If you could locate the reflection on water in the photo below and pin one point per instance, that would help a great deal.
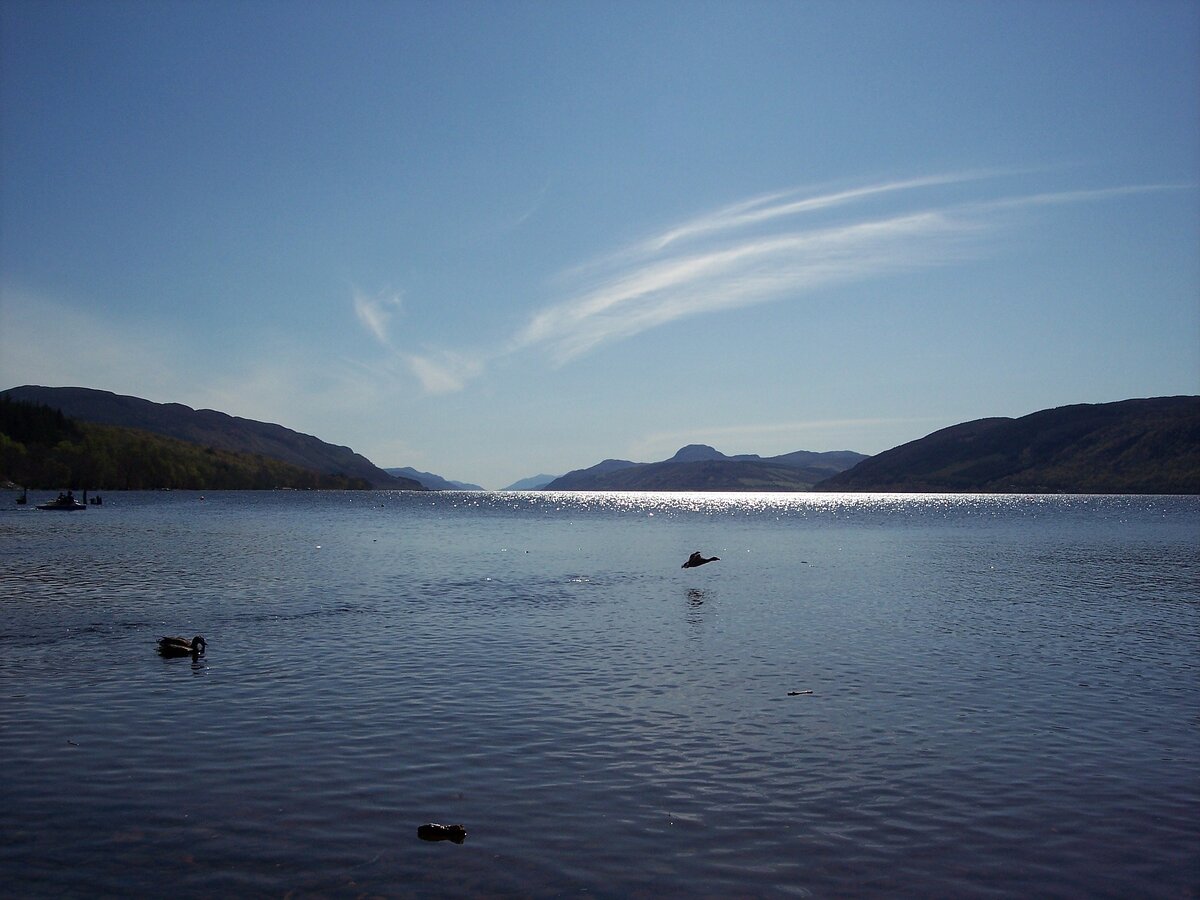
(695, 606)
(1004, 695)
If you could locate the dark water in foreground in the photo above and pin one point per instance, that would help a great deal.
(1005, 702)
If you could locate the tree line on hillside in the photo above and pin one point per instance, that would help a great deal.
(208, 428)
(1141, 446)
(40, 448)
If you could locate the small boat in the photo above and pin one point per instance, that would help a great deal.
(64, 502)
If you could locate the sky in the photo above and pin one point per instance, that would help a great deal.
(493, 239)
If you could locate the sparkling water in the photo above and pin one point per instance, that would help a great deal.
(867, 695)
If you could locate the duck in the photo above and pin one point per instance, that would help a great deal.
(435, 832)
(697, 560)
(177, 646)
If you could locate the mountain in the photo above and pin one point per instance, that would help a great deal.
(586, 479)
(703, 453)
(700, 475)
(698, 467)
(430, 481)
(833, 460)
(533, 483)
(40, 448)
(210, 428)
(1147, 446)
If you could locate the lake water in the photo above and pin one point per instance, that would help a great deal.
(1005, 696)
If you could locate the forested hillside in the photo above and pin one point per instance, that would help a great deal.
(40, 448)
(1147, 446)
(210, 428)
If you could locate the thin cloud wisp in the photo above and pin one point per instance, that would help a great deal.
(759, 250)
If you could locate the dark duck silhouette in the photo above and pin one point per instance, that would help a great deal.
(435, 832)
(177, 646)
(697, 560)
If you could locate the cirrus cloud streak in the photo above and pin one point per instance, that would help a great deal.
(764, 249)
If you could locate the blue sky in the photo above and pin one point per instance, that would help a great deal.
(492, 239)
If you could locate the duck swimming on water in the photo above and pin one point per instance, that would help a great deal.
(697, 560)
(177, 646)
(435, 832)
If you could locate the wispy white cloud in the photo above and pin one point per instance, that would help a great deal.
(741, 273)
(759, 250)
(533, 207)
(762, 209)
(444, 372)
(375, 312)
(1054, 198)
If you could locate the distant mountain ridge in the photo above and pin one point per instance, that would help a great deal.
(532, 483)
(210, 428)
(1149, 446)
(430, 481)
(699, 467)
(1132, 446)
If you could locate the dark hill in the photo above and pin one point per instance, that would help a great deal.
(40, 448)
(698, 467)
(532, 483)
(703, 475)
(430, 481)
(831, 461)
(1131, 447)
(702, 453)
(210, 428)
(585, 479)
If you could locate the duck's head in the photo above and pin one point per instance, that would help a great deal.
(199, 645)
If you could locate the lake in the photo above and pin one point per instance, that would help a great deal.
(1005, 699)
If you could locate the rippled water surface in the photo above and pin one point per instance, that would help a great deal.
(1004, 696)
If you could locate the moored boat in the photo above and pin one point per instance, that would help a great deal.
(63, 502)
